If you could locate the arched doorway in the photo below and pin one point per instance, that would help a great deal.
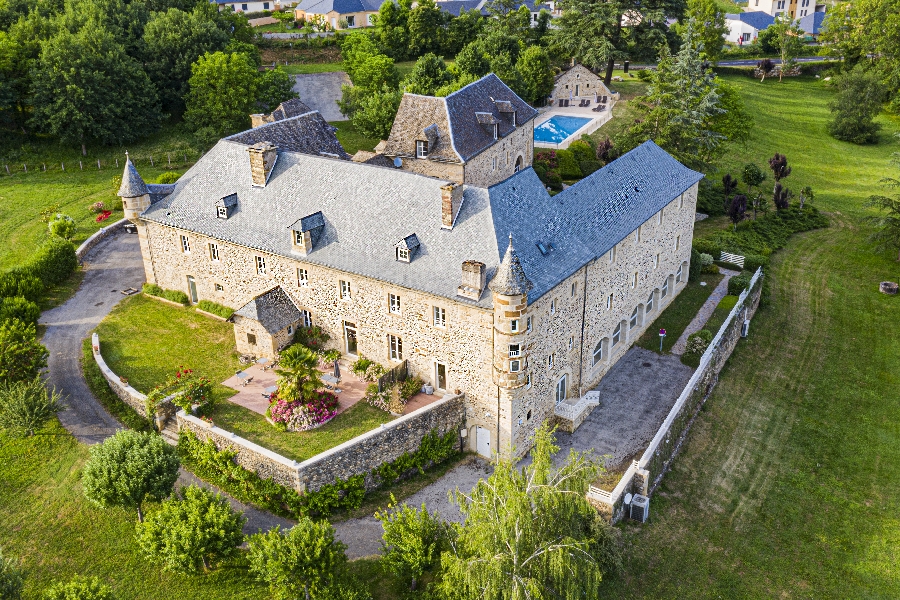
(518, 165)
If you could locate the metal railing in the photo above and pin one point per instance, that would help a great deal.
(398, 373)
(573, 411)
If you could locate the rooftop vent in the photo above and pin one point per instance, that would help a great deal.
(544, 248)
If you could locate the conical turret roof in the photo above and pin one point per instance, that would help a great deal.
(132, 184)
(510, 279)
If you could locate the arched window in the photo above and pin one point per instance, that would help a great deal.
(633, 321)
(649, 303)
(518, 165)
(617, 334)
(598, 352)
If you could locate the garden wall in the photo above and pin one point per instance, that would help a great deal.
(643, 476)
(99, 236)
(358, 456)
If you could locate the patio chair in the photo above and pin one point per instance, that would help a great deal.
(561, 102)
(603, 100)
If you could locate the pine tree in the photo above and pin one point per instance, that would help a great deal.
(711, 28)
(887, 224)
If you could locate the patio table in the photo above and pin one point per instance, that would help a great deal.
(263, 362)
(243, 377)
(331, 380)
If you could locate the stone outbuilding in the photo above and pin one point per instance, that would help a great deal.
(266, 324)
(579, 82)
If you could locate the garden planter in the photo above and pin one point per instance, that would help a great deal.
(428, 389)
(123, 380)
(194, 409)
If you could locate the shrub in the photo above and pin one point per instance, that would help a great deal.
(176, 296)
(302, 415)
(698, 342)
(765, 234)
(582, 151)
(21, 356)
(129, 468)
(196, 529)
(754, 261)
(568, 166)
(26, 405)
(313, 337)
(151, 289)
(54, 261)
(300, 562)
(554, 181)
(705, 246)
(412, 540)
(215, 308)
(706, 259)
(79, 588)
(19, 308)
(62, 226)
(360, 365)
(696, 265)
(18, 282)
(374, 371)
(98, 207)
(329, 357)
(411, 387)
(12, 579)
(589, 166)
(738, 284)
(168, 177)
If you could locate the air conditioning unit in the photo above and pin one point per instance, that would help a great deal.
(640, 508)
(745, 328)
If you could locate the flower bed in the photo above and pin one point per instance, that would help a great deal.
(303, 415)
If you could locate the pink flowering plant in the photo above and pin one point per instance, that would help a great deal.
(186, 388)
(301, 415)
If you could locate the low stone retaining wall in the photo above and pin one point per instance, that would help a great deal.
(358, 456)
(99, 236)
(643, 476)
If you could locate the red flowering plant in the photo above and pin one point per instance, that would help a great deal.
(103, 216)
(302, 415)
(186, 388)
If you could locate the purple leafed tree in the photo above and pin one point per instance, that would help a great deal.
(781, 197)
(779, 166)
(729, 184)
(738, 208)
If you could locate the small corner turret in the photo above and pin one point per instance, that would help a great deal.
(134, 192)
(509, 290)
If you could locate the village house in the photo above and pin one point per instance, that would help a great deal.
(520, 301)
(579, 82)
(338, 14)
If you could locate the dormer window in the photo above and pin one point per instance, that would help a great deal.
(421, 149)
(305, 232)
(406, 248)
(225, 206)
(298, 238)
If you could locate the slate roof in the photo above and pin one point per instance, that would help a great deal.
(510, 279)
(755, 19)
(455, 7)
(812, 23)
(290, 108)
(227, 201)
(158, 191)
(132, 183)
(273, 309)
(463, 120)
(366, 209)
(321, 7)
(308, 133)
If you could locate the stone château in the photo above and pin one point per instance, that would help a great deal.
(478, 278)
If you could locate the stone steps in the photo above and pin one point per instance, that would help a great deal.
(170, 433)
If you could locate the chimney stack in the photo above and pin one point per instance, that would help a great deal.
(451, 200)
(262, 159)
(473, 280)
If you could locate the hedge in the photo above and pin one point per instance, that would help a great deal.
(21, 288)
(19, 308)
(568, 166)
(151, 289)
(214, 308)
(54, 261)
(739, 283)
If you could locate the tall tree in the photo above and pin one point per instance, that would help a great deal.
(887, 224)
(463, 30)
(223, 92)
(790, 42)
(426, 31)
(729, 184)
(711, 28)
(392, 28)
(781, 197)
(428, 74)
(599, 32)
(173, 41)
(192, 531)
(854, 108)
(779, 166)
(87, 89)
(680, 106)
(472, 60)
(412, 540)
(535, 75)
(738, 209)
(274, 87)
(129, 468)
(528, 533)
(300, 562)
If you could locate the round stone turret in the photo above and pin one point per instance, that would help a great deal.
(133, 192)
(509, 291)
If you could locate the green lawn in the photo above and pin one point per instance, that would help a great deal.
(404, 67)
(351, 139)
(24, 195)
(789, 484)
(678, 315)
(146, 340)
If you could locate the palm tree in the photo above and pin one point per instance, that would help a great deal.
(299, 376)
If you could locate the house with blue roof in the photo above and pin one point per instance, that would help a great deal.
(338, 13)
(744, 28)
(519, 300)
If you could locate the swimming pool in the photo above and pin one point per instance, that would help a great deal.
(558, 127)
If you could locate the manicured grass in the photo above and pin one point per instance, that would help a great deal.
(24, 195)
(99, 387)
(146, 340)
(298, 446)
(351, 139)
(788, 483)
(723, 309)
(404, 67)
(678, 315)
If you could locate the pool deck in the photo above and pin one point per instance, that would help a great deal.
(597, 120)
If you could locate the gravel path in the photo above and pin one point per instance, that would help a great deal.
(705, 312)
(363, 536)
(113, 265)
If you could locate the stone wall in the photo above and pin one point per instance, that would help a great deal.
(589, 84)
(644, 475)
(99, 236)
(498, 163)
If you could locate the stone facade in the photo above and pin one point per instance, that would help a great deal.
(579, 82)
(251, 337)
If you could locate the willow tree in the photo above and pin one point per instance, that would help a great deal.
(528, 533)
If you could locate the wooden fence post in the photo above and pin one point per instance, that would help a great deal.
(98, 164)
(80, 166)
(63, 165)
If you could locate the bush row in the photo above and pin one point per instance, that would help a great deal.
(219, 468)
(151, 289)
(22, 288)
(215, 308)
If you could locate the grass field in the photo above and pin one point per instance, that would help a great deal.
(146, 340)
(789, 485)
(404, 67)
(351, 139)
(678, 315)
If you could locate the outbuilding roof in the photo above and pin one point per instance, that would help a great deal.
(342, 7)
(308, 133)
(754, 18)
(273, 309)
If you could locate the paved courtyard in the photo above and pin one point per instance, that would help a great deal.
(635, 397)
(321, 91)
